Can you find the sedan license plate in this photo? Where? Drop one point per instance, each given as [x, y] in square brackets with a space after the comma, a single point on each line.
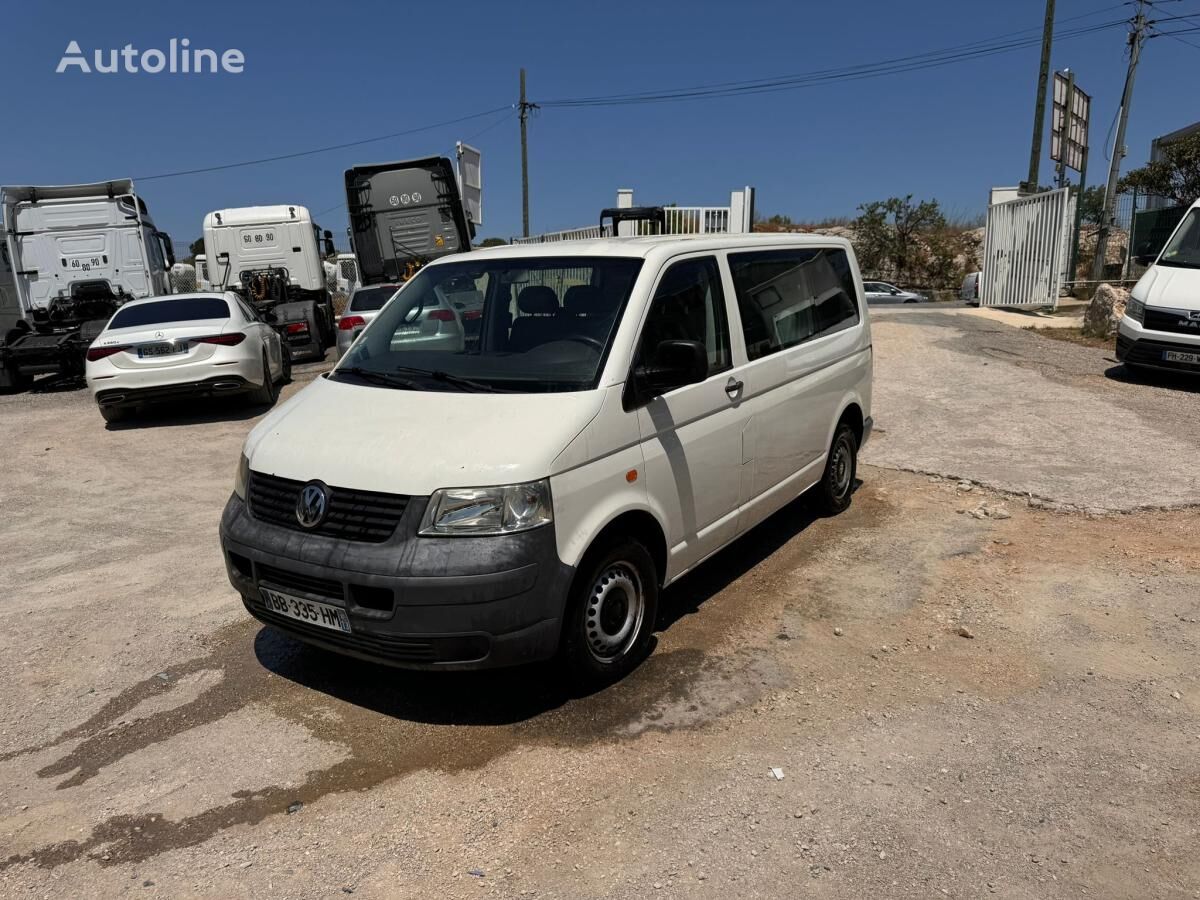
[1176, 356]
[320, 614]
[147, 350]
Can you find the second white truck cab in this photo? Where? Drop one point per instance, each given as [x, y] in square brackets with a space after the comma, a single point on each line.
[621, 410]
[1161, 325]
[272, 257]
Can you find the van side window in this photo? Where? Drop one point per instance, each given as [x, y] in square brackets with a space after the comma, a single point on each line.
[689, 305]
[786, 297]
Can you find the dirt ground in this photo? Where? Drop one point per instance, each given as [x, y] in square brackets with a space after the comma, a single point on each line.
[966, 695]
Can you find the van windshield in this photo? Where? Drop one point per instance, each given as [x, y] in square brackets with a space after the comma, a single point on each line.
[1183, 249]
[525, 325]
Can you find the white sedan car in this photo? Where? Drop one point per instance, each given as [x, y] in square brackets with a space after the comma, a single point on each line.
[184, 345]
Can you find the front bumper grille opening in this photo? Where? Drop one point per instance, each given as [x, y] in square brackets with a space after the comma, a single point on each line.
[368, 597]
[241, 565]
[307, 584]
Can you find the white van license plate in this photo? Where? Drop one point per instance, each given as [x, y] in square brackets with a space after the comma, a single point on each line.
[320, 614]
[161, 349]
[1176, 356]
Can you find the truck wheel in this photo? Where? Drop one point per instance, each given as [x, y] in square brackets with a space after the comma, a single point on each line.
[286, 354]
[265, 395]
[12, 381]
[837, 484]
[611, 613]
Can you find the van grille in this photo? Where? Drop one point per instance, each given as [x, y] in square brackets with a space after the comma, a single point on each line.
[353, 515]
[1174, 321]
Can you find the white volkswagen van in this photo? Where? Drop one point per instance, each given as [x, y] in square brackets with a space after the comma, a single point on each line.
[1161, 325]
[626, 408]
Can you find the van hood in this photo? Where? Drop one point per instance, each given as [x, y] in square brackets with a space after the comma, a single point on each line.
[1170, 287]
[414, 442]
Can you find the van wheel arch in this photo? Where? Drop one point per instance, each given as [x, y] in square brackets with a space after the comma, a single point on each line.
[637, 524]
[852, 415]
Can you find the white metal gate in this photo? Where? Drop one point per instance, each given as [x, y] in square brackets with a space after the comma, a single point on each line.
[1027, 249]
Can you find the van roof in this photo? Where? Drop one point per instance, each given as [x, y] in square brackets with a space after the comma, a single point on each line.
[657, 245]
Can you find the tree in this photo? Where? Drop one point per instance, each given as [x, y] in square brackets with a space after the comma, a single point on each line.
[1176, 176]
[196, 247]
[888, 231]
[493, 242]
[1091, 204]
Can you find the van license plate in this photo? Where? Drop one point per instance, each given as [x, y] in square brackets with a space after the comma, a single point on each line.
[161, 349]
[320, 614]
[1176, 356]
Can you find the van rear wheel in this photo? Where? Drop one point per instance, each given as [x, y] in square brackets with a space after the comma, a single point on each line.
[611, 615]
[841, 467]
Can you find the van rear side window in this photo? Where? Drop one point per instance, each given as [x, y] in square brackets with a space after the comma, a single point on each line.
[184, 309]
[786, 297]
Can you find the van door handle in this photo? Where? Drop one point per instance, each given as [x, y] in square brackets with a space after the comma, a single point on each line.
[733, 387]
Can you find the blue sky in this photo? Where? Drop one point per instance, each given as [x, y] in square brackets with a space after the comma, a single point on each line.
[318, 74]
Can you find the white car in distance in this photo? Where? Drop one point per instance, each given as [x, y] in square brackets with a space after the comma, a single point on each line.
[182, 346]
[882, 292]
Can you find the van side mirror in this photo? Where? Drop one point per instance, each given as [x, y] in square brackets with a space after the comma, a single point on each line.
[327, 239]
[1144, 259]
[673, 364]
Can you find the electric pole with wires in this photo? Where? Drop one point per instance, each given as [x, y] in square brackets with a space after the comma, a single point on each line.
[1137, 37]
[523, 110]
[1039, 107]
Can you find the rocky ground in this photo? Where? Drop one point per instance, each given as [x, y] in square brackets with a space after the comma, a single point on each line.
[963, 695]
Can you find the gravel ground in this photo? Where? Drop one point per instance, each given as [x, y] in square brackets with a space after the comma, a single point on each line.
[965, 695]
[957, 393]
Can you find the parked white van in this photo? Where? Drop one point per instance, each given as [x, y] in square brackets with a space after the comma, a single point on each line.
[1161, 325]
[627, 408]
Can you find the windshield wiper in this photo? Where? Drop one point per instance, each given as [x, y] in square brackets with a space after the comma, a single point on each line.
[381, 378]
[456, 380]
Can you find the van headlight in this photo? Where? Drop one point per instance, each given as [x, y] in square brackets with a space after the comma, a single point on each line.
[1136, 310]
[489, 510]
[242, 477]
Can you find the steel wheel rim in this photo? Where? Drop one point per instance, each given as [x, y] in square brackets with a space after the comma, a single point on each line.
[616, 608]
[842, 467]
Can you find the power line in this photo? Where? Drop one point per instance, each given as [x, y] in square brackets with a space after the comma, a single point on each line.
[300, 153]
[916, 62]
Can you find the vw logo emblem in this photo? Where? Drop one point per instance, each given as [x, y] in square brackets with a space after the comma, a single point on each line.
[312, 504]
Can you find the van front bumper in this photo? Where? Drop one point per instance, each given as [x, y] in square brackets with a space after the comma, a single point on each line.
[415, 602]
[1138, 346]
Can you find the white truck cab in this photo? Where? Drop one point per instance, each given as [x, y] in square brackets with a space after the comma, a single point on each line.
[272, 257]
[1161, 325]
[76, 253]
[611, 414]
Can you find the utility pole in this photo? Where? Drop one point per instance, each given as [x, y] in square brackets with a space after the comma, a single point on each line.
[1039, 109]
[1136, 38]
[524, 107]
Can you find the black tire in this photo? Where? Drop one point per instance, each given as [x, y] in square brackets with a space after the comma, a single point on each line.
[610, 614]
[12, 381]
[114, 414]
[265, 395]
[841, 467]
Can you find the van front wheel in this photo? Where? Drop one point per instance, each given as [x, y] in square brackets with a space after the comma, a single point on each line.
[841, 467]
[612, 612]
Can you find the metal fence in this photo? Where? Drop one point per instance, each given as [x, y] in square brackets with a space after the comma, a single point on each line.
[571, 234]
[1026, 250]
[678, 220]
[697, 220]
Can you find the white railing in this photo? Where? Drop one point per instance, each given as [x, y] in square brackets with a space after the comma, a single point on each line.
[697, 220]
[571, 234]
